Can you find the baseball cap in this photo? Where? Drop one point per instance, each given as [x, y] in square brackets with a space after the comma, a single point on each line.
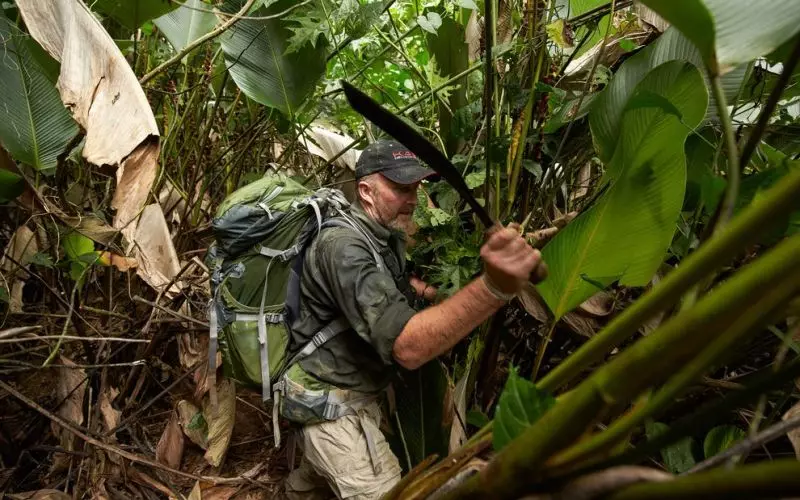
[394, 161]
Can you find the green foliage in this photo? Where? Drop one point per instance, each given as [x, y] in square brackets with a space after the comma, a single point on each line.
[419, 395]
[520, 405]
[80, 254]
[730, 32]
[36, 127]
[678, 457]
[187, 23]
[430, 22]
[646, 180]
[133, 13]
[721, 438]
[11, 186]
[255, 54]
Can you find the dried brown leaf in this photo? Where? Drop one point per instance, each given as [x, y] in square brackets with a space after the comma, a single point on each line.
[20, 249]
[220, 421]
[794, 434]
[158, 260]
[533, 303]
[327, 144]
[458, 435]
[40, 495]
[111, 416]
[580, 324]
[169, 450]
[473, 34]
[98, 86]
[71, 389]
[220, 493]
[89, 226]
[196, 493]
[600, 304]
[192, 422]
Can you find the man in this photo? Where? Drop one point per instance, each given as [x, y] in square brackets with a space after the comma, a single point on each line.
[360, 275]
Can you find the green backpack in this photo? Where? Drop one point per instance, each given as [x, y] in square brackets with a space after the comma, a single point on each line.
[261, 234]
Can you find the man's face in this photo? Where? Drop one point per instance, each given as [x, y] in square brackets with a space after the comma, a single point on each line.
[391, 204]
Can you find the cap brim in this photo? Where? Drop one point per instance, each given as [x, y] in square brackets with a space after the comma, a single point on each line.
[410, 174]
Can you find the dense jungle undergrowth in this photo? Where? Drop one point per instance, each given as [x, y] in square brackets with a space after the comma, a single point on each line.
[649, 148]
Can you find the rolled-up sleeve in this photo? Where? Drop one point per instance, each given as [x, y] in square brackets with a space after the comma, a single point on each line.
[367, 297]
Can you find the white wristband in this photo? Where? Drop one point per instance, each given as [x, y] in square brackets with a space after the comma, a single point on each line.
[499, 295]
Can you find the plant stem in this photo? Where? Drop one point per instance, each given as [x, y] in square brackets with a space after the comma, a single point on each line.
[763, 306]
[745, 229]
[652, 359]
[734, 173]
[762, 480]
[488, 97]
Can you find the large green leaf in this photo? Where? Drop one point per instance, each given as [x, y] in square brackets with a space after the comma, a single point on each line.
[451, 53]
[186, 24]
[255, 55]
[608, 107]
[134, 13]
[625, 234]
[421, 429]
[520, 405]
[721, 438]
[678, 457]
[36, 126]
[731, 32]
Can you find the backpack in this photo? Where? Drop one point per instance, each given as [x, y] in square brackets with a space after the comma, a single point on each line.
[261, 232]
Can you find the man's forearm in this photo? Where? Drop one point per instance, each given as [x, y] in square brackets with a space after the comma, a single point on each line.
[435, 330]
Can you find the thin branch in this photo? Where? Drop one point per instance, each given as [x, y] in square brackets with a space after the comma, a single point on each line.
[136, 298]
[113, 449]
[769, 108]
[71, 337]
[748, 444]
[208, 36]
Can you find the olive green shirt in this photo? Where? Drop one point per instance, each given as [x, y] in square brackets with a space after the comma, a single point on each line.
[341, 279]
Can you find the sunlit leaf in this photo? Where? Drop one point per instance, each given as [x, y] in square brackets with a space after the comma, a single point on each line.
[521, 404]
[430, 22]
[721, 438]
[76, 245]
[475, 179]
[36, 126]
[628, 229]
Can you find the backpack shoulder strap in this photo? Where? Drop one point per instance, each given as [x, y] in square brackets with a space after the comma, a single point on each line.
[346, 221]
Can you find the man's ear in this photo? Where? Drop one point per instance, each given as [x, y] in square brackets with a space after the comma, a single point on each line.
[365, 192]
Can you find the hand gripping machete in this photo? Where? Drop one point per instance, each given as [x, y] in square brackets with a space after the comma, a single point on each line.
[425, 151]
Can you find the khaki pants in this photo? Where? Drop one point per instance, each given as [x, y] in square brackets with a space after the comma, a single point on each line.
[337, 458]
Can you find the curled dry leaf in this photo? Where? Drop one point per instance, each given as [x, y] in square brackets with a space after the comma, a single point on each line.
[158, 260]
[98, 86]
[220, 420]
[794, 434]
[193, 423]
[122, 263]
[111, 416]
[71, 390]
[327, 144]
[533, 303]
[169, 450]
[600, 304]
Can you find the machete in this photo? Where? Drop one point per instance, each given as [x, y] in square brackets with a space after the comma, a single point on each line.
[425, 151]
[417, 144]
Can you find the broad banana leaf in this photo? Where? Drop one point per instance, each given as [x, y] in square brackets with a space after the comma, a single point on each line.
[36, 126]
[608, 107]
[187, 23]
[731, 32]
[134, 13]
[625, 234]
[451, 52]
[255, 55]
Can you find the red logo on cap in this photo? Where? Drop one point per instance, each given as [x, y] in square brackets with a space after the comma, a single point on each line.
[397, 155]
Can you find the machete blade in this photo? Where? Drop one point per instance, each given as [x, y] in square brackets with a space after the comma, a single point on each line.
[416, 143]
